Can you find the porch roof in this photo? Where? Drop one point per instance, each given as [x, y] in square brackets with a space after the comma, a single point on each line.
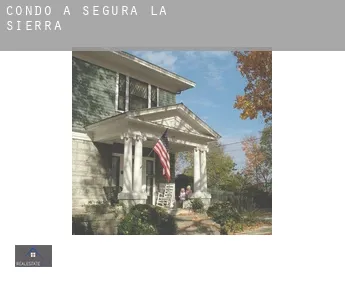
[186, 127]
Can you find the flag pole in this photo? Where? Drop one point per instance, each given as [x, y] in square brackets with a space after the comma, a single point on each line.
[148, 156]
[150, 153]
[157, 141]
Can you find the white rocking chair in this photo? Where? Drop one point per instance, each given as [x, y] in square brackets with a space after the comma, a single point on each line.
[167, 198]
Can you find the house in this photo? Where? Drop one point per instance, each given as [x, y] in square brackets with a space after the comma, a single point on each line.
[121, 106]
[32, 253]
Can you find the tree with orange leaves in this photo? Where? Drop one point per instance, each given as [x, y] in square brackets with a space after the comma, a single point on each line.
[258, 168]
[256, 67]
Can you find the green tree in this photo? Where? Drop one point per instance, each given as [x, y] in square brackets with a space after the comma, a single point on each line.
[239, 181]
[266, 144]
[220, 166]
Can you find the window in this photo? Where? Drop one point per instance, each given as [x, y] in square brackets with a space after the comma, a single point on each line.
[122, 92]
[138, 94]
[166, 98]
[153, 96]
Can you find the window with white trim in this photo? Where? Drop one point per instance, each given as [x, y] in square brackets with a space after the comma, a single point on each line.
[138, 94]
[135, 95]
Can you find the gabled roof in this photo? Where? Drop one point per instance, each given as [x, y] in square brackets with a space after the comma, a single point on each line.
[128, 64]
[155, 67]
[175, 117]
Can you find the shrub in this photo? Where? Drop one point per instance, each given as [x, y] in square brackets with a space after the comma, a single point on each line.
[147, 220]
[223, 212]
[197, 205]
[251, 218]
[232, 226]
[230, 219]
[133, 225]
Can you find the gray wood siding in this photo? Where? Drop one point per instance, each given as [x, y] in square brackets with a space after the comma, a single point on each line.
[93, 92]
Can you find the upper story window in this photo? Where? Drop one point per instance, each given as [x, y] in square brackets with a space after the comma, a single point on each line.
[134, 94]
[154, 96]
[122, 93]
[166, 97]
[138, 94]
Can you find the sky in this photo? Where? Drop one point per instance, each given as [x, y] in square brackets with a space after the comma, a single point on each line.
[217, 83]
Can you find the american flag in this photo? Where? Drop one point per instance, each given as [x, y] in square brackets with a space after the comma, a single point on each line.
[162, 150]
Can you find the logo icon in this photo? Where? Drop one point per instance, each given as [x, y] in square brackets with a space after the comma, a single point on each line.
[33, 256]
[33, 253]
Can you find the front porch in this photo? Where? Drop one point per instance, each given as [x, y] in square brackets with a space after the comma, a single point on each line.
[135, 168]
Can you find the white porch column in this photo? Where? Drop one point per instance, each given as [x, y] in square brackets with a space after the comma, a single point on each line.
[197, 185]
[200, 177]
[138, 164]
[127, 164]
[203, 171]
[132, 193]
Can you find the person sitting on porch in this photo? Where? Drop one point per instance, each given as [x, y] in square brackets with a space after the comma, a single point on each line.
[189, 192]
[182, 196]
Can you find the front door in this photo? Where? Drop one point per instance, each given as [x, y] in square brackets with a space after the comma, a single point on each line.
[148, 174]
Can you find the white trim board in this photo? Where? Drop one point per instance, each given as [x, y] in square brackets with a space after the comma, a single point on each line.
[80, 136]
